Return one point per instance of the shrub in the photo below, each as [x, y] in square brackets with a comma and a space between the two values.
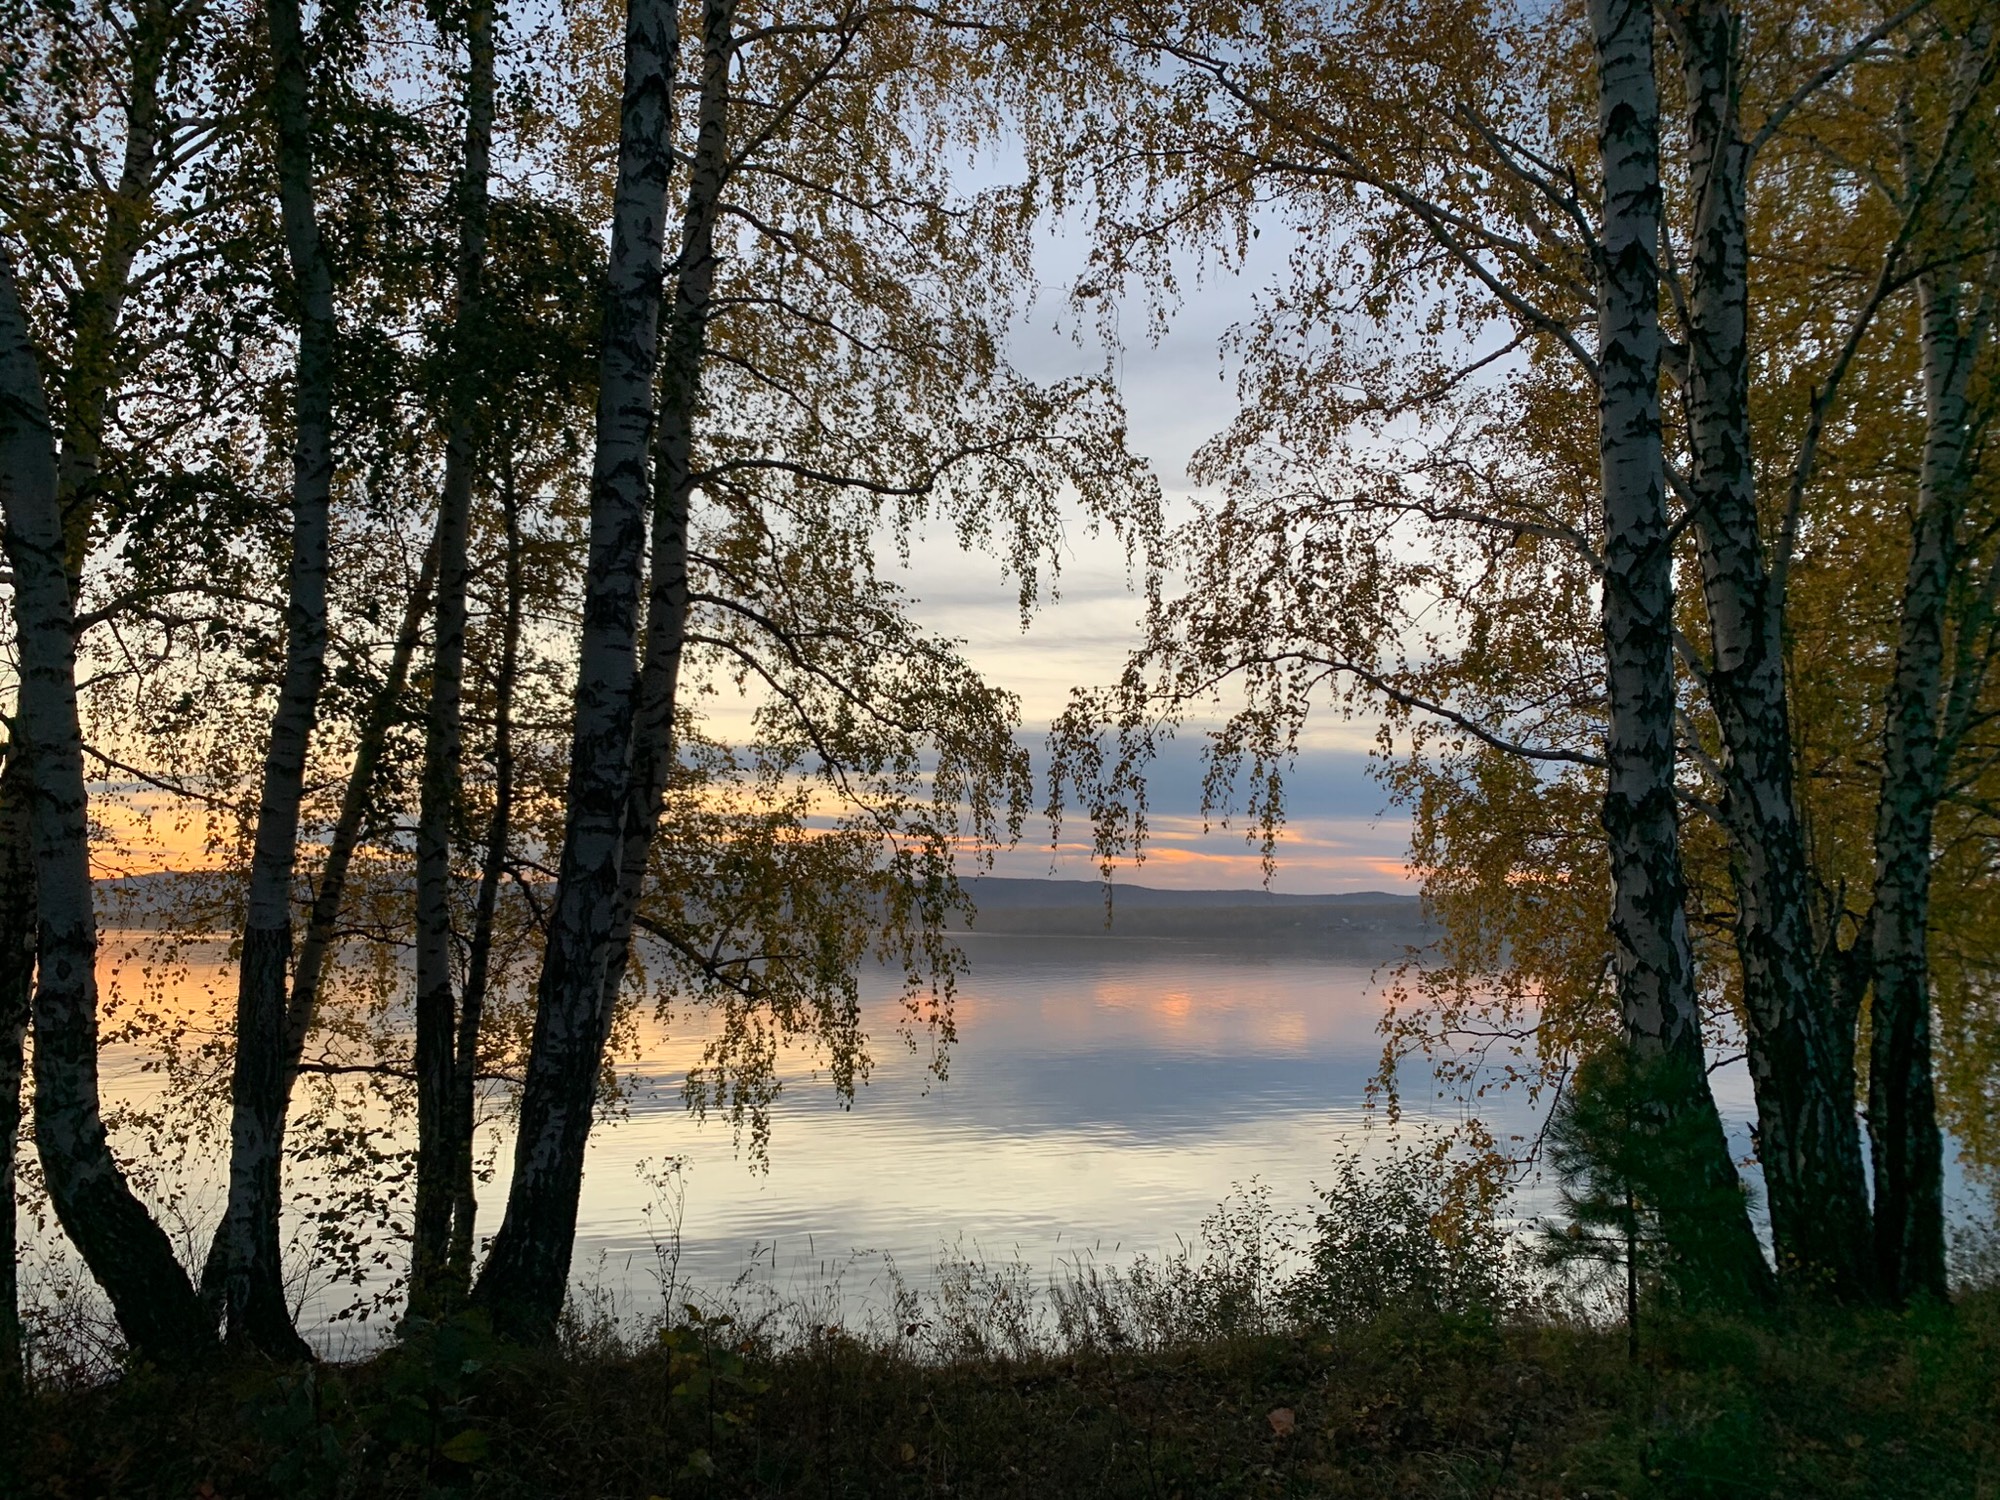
[1414, 1232]
[1227, 1284]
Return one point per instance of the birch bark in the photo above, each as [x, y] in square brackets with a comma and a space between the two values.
[88, 383]
[17, 994]
[1928, 707]
[436, 1006]
[1704, 1215]
[526, 1274]
[673, 486]
[126, 1250]
[1906, 1148]
[316, 947]
[1801, 1056]
[254, 1289]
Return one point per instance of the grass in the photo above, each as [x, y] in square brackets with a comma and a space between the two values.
[1402, 1347]
[1868, 1404]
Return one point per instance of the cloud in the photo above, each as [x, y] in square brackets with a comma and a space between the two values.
[1313, 855]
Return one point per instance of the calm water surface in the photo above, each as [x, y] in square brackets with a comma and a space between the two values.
[1103, 1095]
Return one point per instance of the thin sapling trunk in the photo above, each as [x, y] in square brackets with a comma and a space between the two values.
[479, 951]
[436, 1007]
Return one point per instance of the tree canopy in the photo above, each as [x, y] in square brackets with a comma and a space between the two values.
[457, 455]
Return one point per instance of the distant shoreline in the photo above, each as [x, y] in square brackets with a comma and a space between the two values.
[1364, 925]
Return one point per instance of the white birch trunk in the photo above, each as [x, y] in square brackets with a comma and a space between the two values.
[1904, 1141]
[1801, 1051]
[673, 487]
[126, 1251]
[1652, 961]
[1906, 1147]
[258, 1314]
[17, 995]
[526, 1276]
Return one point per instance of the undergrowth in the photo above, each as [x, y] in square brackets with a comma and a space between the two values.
[1389, 1344]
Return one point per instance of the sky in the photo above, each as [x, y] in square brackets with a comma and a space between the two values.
[1340, 834]
[1178, 392]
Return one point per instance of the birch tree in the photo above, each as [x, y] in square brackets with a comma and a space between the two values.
[1935, 691]
[256, 1306]
[437, 1030]
[1441, 157]
[838, 376]
[112, 128]
[840, 372]
[1800, 1046]
[530, 1253]
[1652, 961]
[125, 1249]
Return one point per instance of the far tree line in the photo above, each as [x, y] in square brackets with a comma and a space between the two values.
[450, 454]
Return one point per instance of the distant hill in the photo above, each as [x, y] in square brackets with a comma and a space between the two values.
[142, 900]
[1366, 925]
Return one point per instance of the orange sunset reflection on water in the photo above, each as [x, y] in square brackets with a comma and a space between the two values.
[1101, 1097]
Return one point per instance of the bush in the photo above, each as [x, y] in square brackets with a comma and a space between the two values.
[1227, 1284]
[1415, 1232]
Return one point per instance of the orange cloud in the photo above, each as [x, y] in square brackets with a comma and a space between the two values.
[1311, 855]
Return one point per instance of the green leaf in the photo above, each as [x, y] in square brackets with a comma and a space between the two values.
[700, 1463]
[467, 1447]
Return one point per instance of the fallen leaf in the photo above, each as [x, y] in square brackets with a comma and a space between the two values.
[909, 1453]
[1283, 1421]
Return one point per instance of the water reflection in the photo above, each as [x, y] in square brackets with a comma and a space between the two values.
[1103, 1096]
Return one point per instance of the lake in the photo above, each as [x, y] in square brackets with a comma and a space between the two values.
[1103, 1095]
[1105, 1092]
